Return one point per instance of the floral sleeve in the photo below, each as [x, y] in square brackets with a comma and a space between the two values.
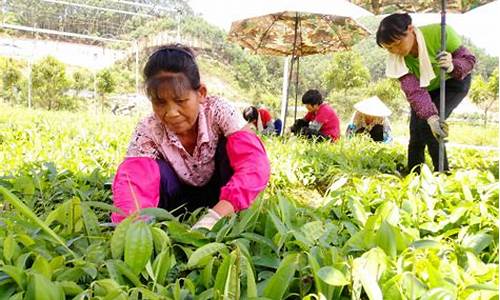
[142, 143]
[226, 116]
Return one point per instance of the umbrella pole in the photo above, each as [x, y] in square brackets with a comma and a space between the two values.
[284, 93]
[296, 87]
[442, 85]
[291, 71]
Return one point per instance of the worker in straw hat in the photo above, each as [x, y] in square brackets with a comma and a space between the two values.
[371, 117]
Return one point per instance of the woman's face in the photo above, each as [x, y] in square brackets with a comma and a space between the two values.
[403, 45]
[177, 104]
[312, 107]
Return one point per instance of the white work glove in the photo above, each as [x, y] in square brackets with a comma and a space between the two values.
[208, 220]
[439, 129]
[445, 61]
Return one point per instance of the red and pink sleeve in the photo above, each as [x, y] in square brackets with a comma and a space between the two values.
[248, 158]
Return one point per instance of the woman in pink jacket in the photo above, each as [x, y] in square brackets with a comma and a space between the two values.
[192, 152]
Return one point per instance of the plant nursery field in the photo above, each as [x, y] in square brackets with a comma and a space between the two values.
[337, 221]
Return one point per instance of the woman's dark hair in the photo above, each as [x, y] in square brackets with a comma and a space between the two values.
[392, 28]
[250, 114]
[312, 97]
[172, 58]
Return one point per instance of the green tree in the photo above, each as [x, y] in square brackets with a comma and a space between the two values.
[389, 91]
[50, 84]
[346, 71]
[485, 63]
[10, 80]
[493, 84]
[81, 79]
[482, 93]
[106, 84]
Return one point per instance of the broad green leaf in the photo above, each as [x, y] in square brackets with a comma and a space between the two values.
[25, 239]
[73, 274]
[279, 282]
[69, 214]
[278, 224]
[9, 247]
[206, 273]
[412, 286]
[126, 271]
[90, 220]
[251, 284]
[119, 237]
[247, 220]
[456, 215]
[104, 206]
[114, 273]
[486, 287]
[138, 246]
[475, 266]
[70, 288]
[159, 214]
[42, 267]
[232, 286]
[222, 272]
[483, 295]
[313, 230]
[23, 209]
[17, 274]
[287, 210]
[224, 230]
[105, 287]
[56, 262]
[367, 270]
[161, 240]
[23, 259]
[259, 239]
[203, 252]
[41, 288]
[358, 211]
[439, 294]
[332, 276]
[426, 244]
[266, 261]
[161, 266]
[386, 239]
[477, 242]
[337, 184]
[182, 234]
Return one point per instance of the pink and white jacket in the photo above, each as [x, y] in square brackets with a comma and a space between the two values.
[137, 181]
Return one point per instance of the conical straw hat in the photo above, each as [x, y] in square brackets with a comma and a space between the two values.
[373, 106]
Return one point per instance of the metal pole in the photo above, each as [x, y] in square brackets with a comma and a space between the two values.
[296, 88]
[178, 26]
[95, 81]
[4, 10]
[30, 70]
[442, 85]
[56, 32]
[29, 80]
[284, 94]
[136, 45]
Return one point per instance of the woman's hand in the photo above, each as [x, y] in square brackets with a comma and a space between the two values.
[439, 128]
[445, 61]
[221, 209]
[208, 220]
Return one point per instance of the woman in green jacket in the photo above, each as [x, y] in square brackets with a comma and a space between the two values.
[415, 59]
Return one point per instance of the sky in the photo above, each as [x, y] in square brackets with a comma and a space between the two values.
[479, 24]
